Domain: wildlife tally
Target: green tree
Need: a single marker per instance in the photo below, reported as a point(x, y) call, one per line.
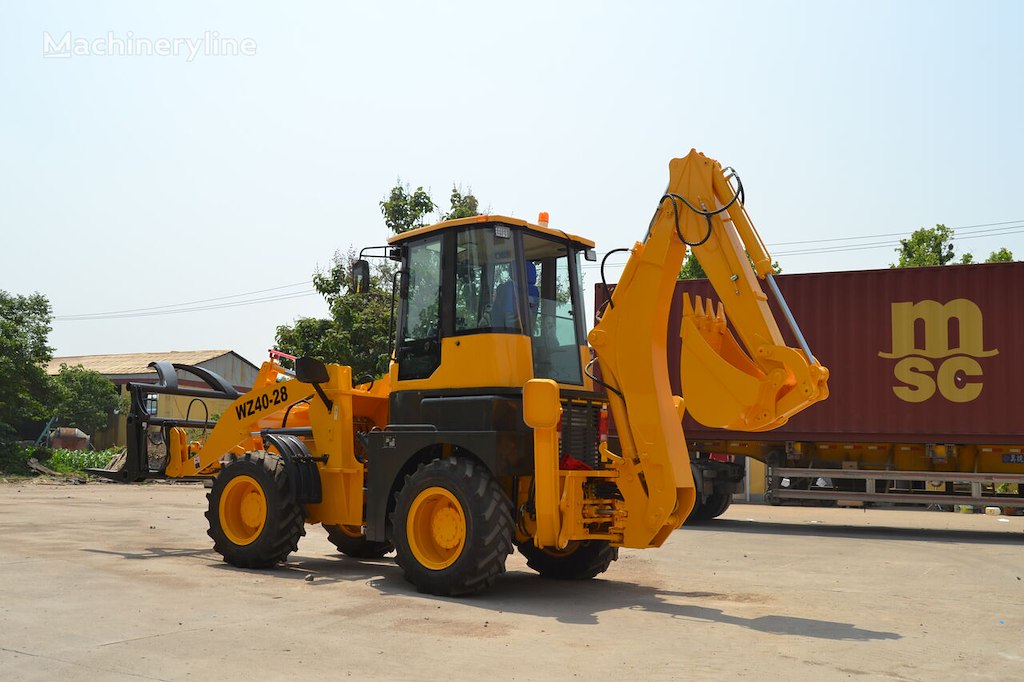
point(310, 336)
point(25, 390)
point(692, 268)
point(406, 210)
point(1003, 255)
point(934, 246)
point(462, 205)
point(358, 332)
point(85, 399)
point(926, 246)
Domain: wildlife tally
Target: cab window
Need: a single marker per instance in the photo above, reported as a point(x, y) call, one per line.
point(554, 309)
point(487, 297)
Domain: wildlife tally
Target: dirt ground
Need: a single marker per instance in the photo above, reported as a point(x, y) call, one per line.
point(108, 582)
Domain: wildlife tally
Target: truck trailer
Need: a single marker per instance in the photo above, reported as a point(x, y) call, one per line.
point(926, 364)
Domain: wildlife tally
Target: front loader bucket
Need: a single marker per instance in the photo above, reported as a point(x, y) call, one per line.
point(725, 388)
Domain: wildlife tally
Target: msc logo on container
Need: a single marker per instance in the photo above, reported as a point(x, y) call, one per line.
point(954, 372)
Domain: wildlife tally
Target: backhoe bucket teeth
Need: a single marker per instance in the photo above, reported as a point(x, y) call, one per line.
point(725, 388)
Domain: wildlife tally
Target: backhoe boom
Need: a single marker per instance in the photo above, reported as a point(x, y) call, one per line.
point(723, 384)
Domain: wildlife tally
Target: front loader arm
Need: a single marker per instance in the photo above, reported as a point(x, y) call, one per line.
point(720, 381)
point(234, 431)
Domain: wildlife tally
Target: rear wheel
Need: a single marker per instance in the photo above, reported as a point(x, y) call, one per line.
point(350, 541)
point(253, 521)
point(580, 560)
point(452, 527)
point(711, 508)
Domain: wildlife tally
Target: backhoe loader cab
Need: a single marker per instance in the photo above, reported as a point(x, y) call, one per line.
point(489, 302)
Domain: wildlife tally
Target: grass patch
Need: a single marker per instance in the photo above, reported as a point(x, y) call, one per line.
point(14, 459)
point(77, 461)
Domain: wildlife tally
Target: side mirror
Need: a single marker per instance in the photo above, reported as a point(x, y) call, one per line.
point(311, 371)
point(590, 254)
point(361, 277)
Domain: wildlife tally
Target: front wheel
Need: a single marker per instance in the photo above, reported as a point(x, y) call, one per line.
point(452, 527)
point(580, 560)
point(254, 522)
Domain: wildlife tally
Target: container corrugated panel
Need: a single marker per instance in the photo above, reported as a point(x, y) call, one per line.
point(916, 355)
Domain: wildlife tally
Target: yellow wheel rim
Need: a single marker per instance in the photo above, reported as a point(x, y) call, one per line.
point(436, 528)
point(243, 510)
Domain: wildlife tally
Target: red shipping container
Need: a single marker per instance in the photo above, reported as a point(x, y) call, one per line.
point(916, 355)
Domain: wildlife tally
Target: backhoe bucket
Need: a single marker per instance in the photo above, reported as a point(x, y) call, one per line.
point(725, 388)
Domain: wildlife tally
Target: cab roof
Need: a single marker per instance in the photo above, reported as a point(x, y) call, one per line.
point(483, 219)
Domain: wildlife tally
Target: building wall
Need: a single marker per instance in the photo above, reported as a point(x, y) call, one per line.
point(232, 368)
point(116, 432)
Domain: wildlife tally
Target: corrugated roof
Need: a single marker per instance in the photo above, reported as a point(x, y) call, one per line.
point(132, 363)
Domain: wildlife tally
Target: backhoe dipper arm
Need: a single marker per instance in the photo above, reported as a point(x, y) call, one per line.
point(722, 384)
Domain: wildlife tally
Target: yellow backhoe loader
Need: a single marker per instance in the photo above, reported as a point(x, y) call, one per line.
point(490, 429)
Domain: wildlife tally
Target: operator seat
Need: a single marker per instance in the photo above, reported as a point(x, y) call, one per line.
point(504, 311)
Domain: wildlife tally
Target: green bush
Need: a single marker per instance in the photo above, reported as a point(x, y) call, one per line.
point(77, 461)
point(14, 459)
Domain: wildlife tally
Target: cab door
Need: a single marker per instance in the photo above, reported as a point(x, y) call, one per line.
point(419, 333)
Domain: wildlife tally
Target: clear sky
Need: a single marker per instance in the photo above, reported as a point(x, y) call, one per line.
point(139, 182)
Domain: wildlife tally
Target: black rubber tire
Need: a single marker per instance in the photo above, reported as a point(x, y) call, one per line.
point(355, 546)
point(580, 560)
point(283, 524)
point(712, 508)
point(487, 540)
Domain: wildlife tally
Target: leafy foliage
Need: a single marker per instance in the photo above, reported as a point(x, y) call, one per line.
point(462, 205)
point(1003, 255)
point(405, 210)
point(934, 246)
point(77, 461)
point(307, 336)
point(85, 399)
point(692, 268)
point(14, 459)
point(359, 330)
point(25, 390)
point(926, 246)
